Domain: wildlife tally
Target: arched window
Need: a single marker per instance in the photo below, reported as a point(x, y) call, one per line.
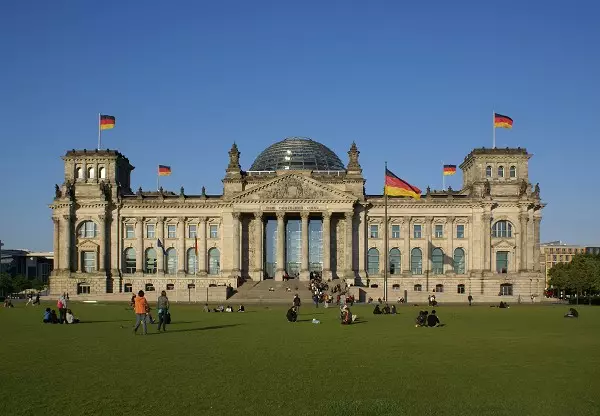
point(171, 261)
point(502, 229)
point(150, 261)
point(90, 172)
point(373, 261)
point(102, 172)
point(439, 288)
point(437, 260)
point(395, 261)
point(501, 171)
point(417, 288)
point(488, 171)
point(214, 261)
point(459, 261)
point(130, 260)
point(416, 261)
point(192, 265)
point(79, 173)
point(513, 171)
point(88, 229)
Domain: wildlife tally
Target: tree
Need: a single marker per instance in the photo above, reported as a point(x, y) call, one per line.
point(21, 283)
point(6, 284)
point(582, 274)
point(37, 284)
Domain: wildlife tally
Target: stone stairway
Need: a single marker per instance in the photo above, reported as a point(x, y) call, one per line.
point(258, 292)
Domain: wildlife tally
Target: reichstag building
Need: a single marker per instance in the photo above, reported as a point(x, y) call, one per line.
point(297, 209)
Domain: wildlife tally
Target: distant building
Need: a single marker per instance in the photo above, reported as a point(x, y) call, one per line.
point(32, 265)
point(555, 252)
point(592, 250)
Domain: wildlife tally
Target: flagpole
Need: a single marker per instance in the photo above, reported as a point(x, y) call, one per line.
point(385, 236)
point(157, 180)
point(494, 129)
point(443, 178)
point(99, 132)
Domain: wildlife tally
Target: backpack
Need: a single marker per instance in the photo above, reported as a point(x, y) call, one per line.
point(59, 305)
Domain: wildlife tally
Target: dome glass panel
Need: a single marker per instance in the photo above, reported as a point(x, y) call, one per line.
point(297, 153)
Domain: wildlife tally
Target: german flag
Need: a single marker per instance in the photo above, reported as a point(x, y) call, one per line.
point(164, 170)
point(394, 186)
point(503, 122)
point(107, 122)
point(449, 170)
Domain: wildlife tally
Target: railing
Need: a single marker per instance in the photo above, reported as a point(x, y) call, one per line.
point(259, 172)
point(330, 172)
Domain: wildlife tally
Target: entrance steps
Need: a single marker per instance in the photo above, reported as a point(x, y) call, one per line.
point(259, 292)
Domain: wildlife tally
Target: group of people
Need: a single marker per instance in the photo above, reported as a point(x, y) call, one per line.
point(142, 312)
point(222, 308)
point(424, 318)
point(50, 317)
point(346, 316)
point(33, 301)
point(386, 310)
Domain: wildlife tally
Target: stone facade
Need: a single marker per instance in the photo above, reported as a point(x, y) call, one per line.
point(482, 239)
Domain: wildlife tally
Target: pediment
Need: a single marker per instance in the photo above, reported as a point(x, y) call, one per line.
point(88, 245)
point(503, 244)
point(293, 187)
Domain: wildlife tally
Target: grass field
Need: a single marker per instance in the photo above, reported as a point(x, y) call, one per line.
point(525, 360)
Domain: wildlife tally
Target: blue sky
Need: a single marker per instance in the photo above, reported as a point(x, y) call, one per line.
point(413, 84)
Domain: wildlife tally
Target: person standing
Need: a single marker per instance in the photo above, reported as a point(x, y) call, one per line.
point(61, 305)
point(163, 310)
point(470, 299)
point(296, 302)
point(141, 306)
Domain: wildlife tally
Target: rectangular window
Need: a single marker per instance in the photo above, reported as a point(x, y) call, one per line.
point(192, 231)
point(439, 231)
point(460, 231)
point(150, 230)
point(374, 231)
point(417, 231)
point(395, 231)
point(214, 231)
point(129, 231)
point(554, 257)
point(89, 261)
point(502, 261)
point(171, 231)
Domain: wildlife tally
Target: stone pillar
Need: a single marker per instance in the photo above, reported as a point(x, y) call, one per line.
point(235, 256)
point(326, 245)
point(280, 246)
point(523, 219)
point(202, 247)
point(349, 266)
point(449, 232)
point(139, 245)
point(362, 252)
point(102, 239)
point(304, 272)
point(56, 245)
point(427, 251)
point(181, 246)
point(486, 238)
point(406, 235)
point(67, 249)
point(536, 243)
point(258, 245)
point(160, 252)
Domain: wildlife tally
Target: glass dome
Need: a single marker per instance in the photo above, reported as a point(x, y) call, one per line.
point(297, 153)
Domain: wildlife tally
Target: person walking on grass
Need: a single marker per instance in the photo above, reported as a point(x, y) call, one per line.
point(163, 310)
point(141, 306)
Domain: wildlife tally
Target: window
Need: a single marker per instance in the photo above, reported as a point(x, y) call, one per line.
point(373, 261)
point(512, 172)
point(502, 261)
point(191, 231)
point(488, 171)
point(374, 233)
point(459, 261)
point(192, 265)
point(78, 173)
point(83, 289)
point(102, 172)
point(460, 289)
point(395, 261)
point(171, 261)
point(88, 261)
point(130, 264)
point(127, 288)
point(416, 261)
point(439, 288)
point(395, 231)
point(149, 287)
point(149, 230)
point(554, 257)
point(417, 231)
point(439, 231)
point(171, 231)
point(506, 289)
point(214, 261)
point(90, 173)
point(417, 288)
point(88, 229)
point(460, 231)
point(150, 263)
point(437, 260)
point(502, 229)
point(129, 231)
point(170, 286)
point(501, 171)
point(214, 231)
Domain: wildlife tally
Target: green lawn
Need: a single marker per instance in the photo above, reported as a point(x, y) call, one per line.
point(525, 360)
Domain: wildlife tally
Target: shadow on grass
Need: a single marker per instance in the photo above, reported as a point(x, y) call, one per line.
point(106, 322)
point(205, 328)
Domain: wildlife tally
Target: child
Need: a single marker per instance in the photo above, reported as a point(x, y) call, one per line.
point(53, 317)
point(47, 316)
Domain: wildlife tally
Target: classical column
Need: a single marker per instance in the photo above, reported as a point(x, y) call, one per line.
point(449, 233)
point(349, 266)
point(139, 244)
point(427, 251)
point(67, 260)
point(304, 272)
point(362, 272)
point(202, 247)
point(102, 250)
point(181, 246)
point(258, 245)
point(280, 246)
point(523, 218)
point(326, 244)
point(536, 243)
point(486, 236)
point(406, 252)
point(235, 256)
point(160, 251)
point(56, 244)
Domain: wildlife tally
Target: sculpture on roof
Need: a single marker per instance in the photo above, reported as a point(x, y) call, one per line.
point(57, 192)
point(487, 188)
point(203, 191)
point(353, 164)
point(181, 192)
point(234, 159)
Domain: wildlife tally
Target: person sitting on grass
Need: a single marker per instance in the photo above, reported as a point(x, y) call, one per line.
point(421, 319)
point(292, 314)
point(503, 305)
point(241, 308)
point(393, 310)
point(206, 308)
point(376, 311)
point(433, 320)
point(229, 309)
point(572, 313)
point(8, 303)
point(71, 318)
point(386, 309)
point(47, 316)
point(53, 317)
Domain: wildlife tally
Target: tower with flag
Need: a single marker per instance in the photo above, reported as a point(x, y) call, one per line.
point(105, 122)
point(502, 122)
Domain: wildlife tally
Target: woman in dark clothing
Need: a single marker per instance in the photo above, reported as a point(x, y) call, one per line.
point(291, 314)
